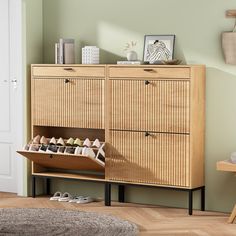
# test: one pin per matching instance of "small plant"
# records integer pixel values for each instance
(129, 46)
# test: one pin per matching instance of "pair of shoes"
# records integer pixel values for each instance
(74, 142)
(86, 151)
(96, 143)
(59, 142)
(58, 196)
(39, 140)
(67, 197)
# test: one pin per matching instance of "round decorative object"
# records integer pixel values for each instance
(49, 222)
(171, 62)
(132, 56)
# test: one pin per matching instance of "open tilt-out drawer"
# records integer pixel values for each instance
(64, 161)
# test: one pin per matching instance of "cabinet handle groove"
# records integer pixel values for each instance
(66, 81)
(148, 70)
(68, 68)
(147, 82)
(147, 134)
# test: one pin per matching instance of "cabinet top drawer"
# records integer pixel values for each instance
(149, 72)
(68, 71)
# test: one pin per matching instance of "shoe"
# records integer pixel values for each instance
(53, 141)
(43, 148)
(36, 139)
(33, 147)
(77, 142)
(61, 149)
(87, 143)
(52, 149)
(56, 196)
(66, 197)
(70, 150)
(78, 150)
(101, 155)
(96, 143)
(85, 200)
(26, 147)
(70, 142)
(75, 199)
(88, 152)
(60, 142)
(43, 140)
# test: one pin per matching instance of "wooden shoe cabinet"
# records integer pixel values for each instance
(152, 119)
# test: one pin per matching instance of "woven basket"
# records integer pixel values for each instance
(229, 46)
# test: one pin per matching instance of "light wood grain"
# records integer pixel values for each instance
(197, 126)
(63, 161)
(77, 103)
(226, 165)
(158, 158)
(148, 72)
(160, 105)
(151, 220)
(68, 71)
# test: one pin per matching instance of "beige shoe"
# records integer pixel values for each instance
(34, 148)
(87, 142)
(36, 139)
(60, 142)
(78, 142)
(43, 140)
(70, 142)
(53, 141)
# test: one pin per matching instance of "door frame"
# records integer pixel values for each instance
(17, 73)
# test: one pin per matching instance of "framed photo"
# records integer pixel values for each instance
(158, 48)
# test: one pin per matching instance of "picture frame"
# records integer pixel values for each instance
(158, 48)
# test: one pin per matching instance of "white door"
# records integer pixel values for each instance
(8, 172)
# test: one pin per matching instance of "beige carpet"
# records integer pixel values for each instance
(49, 222)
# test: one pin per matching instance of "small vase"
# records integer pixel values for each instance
(132, 56)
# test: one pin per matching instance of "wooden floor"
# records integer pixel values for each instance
(151, 220)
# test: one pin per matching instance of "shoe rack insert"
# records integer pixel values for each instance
(67, 101)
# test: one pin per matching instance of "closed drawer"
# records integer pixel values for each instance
(161, 159)
(68, 71)
(77, 103)
(149, 72)
(152, 105)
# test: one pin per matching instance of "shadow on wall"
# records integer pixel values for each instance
(220, 137)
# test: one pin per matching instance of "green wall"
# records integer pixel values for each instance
(32, 21)
(109, 24)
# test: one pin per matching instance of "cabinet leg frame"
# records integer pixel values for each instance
(48, 186)
(33, 186)
(107, 194)
(121, 193)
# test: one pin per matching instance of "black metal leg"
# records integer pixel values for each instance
(190, 202)
(33, 186)
(203, 198)
(107, 194)
(48, 186)
(121, 193)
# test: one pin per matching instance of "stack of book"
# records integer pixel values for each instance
(90, 55)
(65, 51)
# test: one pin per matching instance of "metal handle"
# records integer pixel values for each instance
(147, 82)
(147, 134)
(148, 70)
(68, 68)
(66, 81)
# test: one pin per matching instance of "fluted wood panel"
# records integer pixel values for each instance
(160, 105)
(78, 103)
(159, 158)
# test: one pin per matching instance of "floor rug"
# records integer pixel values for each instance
(49, 222)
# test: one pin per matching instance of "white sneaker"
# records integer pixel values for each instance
(56, 196)
(96, 143)
(75, 199)
(66, 197)
(88, 152)
(85, 200)
(87, 142)
(78, 150)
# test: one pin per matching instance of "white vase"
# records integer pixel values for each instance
(132, 56)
